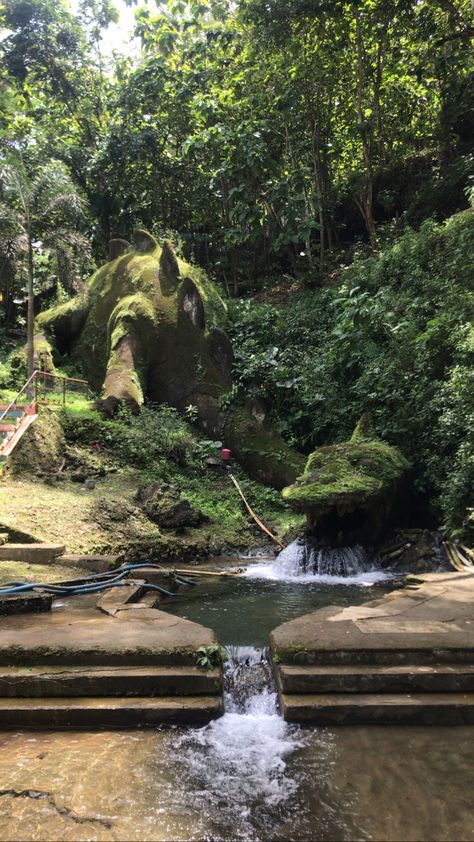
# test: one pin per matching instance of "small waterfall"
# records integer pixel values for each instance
(239, 759)
(305, 561)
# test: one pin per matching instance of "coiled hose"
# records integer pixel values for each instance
(95, 583)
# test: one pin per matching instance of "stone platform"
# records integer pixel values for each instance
(406, 658)
(79, 667)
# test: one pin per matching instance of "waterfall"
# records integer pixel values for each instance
(239, 759)
(305, 561)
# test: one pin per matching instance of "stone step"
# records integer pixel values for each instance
(94, 563)
(12, 413)
(449, 652)
(379, 708)
(34, 682)
(24, 603)
(376, 678)
(31, 553)
(108, 712)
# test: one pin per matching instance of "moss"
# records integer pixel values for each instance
(64, 321)
(344, 475)
(146, 333)
(41, 450)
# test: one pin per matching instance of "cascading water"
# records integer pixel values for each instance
(241, 771)
(304, 561)
(238, 761)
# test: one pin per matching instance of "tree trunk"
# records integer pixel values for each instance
(30, 320)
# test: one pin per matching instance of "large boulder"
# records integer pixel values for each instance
(152, 326)
(164, 506)
(350, 490)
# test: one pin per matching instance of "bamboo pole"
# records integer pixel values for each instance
(256, 517)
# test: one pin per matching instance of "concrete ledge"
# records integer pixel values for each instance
(108, 712)
(54, 682)
(379, 709)
(31, 553)
(89, 638)
(24, 603)
(94, 563)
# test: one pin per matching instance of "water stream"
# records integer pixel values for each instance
(248, 775)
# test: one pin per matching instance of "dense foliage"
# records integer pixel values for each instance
(294, 144)
(395, 336)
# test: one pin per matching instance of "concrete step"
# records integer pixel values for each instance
(15, 412)
(34, 682)
(31, 553)
(94, 563)
(11, 442)
(24, 603)
(376, 678)
(108, 712)
(379, 708)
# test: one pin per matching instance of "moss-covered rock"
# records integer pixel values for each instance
(41, 449)
(164, 505)
(151, 326)
(351, 487)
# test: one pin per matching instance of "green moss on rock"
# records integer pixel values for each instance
(346, 474)
(41, 449)
(148, 330)
(361, 474)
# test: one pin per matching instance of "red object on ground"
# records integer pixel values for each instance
(226, 454)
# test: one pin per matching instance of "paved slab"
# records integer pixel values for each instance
(384, 708)
(93, 563)
(406, 658)
(147, 637)
(47, 681)
(31, 553)
(108, 712)
(432, 620)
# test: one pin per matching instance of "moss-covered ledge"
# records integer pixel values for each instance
(350, 489)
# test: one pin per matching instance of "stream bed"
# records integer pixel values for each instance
(248, 775)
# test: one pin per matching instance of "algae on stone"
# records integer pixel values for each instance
(150, 327)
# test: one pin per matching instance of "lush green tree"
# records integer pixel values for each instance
(38, 212)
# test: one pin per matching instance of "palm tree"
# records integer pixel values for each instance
(43, 208)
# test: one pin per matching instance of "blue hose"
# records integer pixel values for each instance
(90, 584)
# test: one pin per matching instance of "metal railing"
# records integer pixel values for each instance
(54, 388)
(42, 385)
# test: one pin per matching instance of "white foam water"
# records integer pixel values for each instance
(301, 562)
(239, 759)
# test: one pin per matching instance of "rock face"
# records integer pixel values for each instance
(164, 506)
(351, 489)
(151, 326)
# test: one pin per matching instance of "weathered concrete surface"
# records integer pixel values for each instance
(24, 603)
(433, 621)
(31, 553)
(406, 658)
(109, 712)
(78, 667)
(94, 563)
(375, 678)
(380, 708)
(89, 637)
(37, 682)
(116, 598)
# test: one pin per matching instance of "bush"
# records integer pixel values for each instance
(394, 337)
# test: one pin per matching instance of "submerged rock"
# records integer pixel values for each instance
(350, 489)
